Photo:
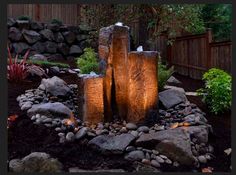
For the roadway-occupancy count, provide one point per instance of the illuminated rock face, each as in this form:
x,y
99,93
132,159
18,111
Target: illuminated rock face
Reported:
x,y
142,84
93,107
130,78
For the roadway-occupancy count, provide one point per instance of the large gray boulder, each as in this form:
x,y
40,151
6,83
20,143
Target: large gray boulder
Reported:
x,y
31,36
136,155
75,50
50,47
56,109
35,162
171,97
63,48
39,47
69,37
111,144
174,143
20,47
56,86
14,34
58,37
47,34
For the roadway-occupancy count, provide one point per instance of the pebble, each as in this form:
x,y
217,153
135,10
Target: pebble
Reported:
x,y
81,133
62,139
130,148
155,152
47,120
147,156
37,116
156,164
176,164
168,161
144,129
26,106
33,117
61,134
153,156
131,126
48,125
146,161
163,156
58,129
70,136
202,159
159,159
123,130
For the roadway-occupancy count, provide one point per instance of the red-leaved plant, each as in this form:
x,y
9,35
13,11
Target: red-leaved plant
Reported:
x,y
16,71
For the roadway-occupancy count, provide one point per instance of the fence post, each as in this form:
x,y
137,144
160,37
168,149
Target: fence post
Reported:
x,y
208,47
37,12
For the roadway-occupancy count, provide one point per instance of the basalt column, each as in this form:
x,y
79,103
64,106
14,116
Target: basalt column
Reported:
x,y
93,106
113,49
142,84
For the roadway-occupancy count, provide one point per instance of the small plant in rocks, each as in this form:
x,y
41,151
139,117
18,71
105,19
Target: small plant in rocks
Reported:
x,y
56,21
88,61
17,71
163,75
217,93
24,18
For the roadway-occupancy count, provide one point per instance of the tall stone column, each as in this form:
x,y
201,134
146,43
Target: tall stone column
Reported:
x,y
142,84
113,50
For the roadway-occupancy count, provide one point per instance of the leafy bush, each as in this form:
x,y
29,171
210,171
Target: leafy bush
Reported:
x,y
88,61
217,93
24,18
47,63
56,21
16,71
163,75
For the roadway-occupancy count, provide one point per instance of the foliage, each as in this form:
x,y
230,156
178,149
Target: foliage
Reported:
x,y
16,71
47,63
24,18
218,17
56,21
163,75
88,61
217,93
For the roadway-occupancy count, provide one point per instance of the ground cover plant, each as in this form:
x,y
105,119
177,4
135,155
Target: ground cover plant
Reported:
x,y
217,92
164,74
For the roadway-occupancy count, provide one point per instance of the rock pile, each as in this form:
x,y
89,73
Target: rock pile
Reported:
x,y
51,41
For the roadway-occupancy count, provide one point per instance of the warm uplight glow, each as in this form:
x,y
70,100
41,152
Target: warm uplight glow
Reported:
x,y
10,119
71,120
174,125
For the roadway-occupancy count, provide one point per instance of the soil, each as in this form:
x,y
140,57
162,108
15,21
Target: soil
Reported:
x,y
24,137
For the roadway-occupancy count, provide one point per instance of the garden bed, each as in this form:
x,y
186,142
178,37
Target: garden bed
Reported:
x,y
25,137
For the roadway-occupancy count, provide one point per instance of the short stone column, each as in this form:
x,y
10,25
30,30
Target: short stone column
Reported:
x,y
93,106
142,84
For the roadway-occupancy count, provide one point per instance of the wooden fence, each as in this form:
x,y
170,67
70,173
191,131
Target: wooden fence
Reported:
x,y
193,55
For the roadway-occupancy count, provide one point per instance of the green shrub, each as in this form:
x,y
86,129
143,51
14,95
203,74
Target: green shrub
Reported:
x,y
47,63
217,93
163,75
24,18
88,61
56,21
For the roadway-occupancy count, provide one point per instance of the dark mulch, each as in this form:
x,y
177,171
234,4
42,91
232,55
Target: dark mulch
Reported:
x,y
25,137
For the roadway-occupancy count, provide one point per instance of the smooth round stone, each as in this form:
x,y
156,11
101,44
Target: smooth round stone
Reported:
x,y
131,126
58,129
155,163
163,156
130,148
70,136
159,128
144,129
159,159
176,164
202,159
47,120
155,152
98,132
100,126
81,133
62,139
147,150
26,106
147,156
139,148
43,117
61,134
153,156
146,161
134,133
33,117
38,120
168,161
37,116
48,125
123,130
91,134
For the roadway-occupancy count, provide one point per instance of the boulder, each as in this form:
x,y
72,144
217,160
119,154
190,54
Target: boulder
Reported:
x,y
23,24
11,22
36,25
172,97
58,37
20,47
69,37
56,86
75,50
39,47
39,57
50,47
54,27
173,80
63,48
82,37
111,144
35,162
47,34
174,143
31,36
56,109
55,57
14,34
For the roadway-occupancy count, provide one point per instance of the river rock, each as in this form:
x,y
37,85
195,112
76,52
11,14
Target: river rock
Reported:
x,y
31,36
136,155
